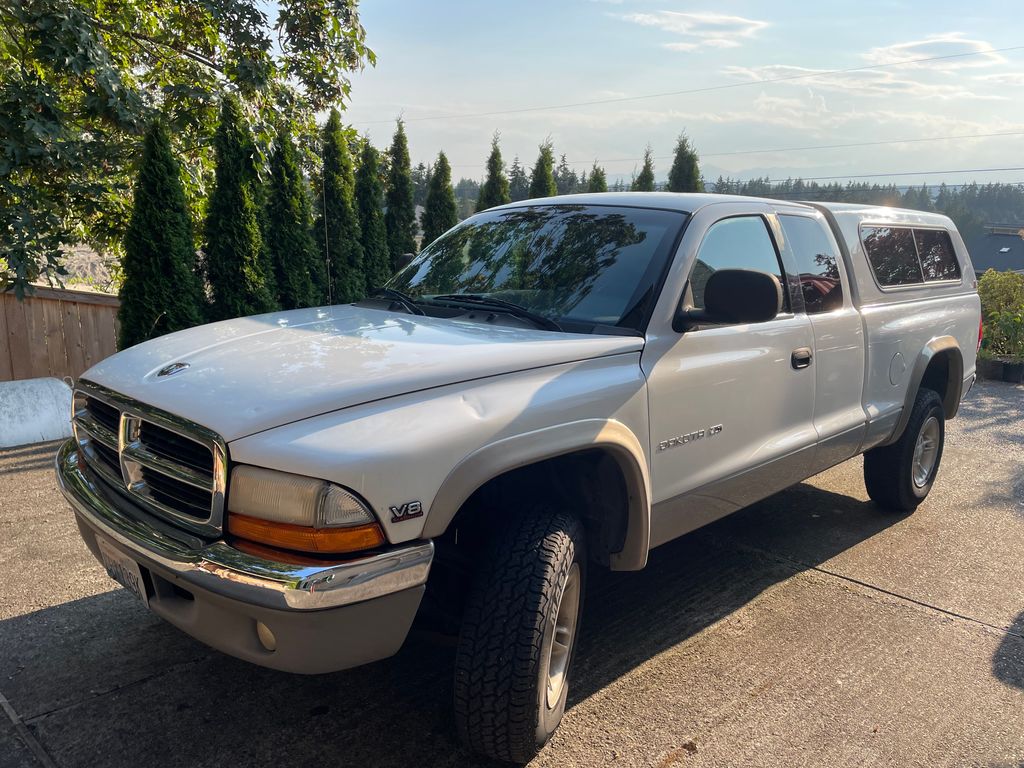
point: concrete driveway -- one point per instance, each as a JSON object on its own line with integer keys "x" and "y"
{"x": 811, "y": 629}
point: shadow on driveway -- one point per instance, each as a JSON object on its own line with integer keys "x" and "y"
{"x": 103, "y": 682}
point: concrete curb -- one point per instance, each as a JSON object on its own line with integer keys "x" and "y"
{"x": 34, "y": 411}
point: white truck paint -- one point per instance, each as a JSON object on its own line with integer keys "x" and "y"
{"x": 657, "y": 432}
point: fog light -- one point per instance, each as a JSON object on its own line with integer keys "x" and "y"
{"x": 267, "y": 639}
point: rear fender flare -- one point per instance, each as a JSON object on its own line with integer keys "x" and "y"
{"x": 938, "y": 345}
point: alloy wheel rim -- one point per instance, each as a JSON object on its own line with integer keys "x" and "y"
{"x": 926, "y": 451}
{"x": 563, "y": 636}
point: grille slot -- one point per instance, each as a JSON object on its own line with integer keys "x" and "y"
{"x": 176, "y": 494}
{"x": 168, "y": 466}
{"x": 171, "y": 445}
{"x": 108, "y": 456}
{"x": 103, "y": 414}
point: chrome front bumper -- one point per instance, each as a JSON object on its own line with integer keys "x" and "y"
{"x": 227, "y": 572}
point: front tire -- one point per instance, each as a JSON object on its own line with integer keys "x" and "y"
{"x": 899, "y": 476}
{"x": 513, "y": 664}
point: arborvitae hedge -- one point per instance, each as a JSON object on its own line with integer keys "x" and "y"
{"x": 369, "y": 206}
{"x": 542, "y": 181}
{"x": 337, "y": 229}
{"x": 598, "y": 182}
{"x": 289, "y": 235}
{"x": 161, "y": 291}
{"x": 495, "y": 190}
{"x": 400, "y": 218}
{"x": 440, "y": 213}
{"x": 685, "y": 173}
{"x": 644, "y": 182}
{"x": 236, "y": 263}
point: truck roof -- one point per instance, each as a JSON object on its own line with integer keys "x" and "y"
{"x": 690, "y": 202}
{"x": 687, "y": 202}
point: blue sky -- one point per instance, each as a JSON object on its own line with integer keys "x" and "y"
{"x": 459, "y": 58}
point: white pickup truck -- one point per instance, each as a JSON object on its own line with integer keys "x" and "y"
{"x": 552, "y": 386}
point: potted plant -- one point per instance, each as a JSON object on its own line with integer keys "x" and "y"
{"x": 1010, "y": 326}
{"x": 990, "y": 367}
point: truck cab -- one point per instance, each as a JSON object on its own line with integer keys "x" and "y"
{"x": 550, "y": 387}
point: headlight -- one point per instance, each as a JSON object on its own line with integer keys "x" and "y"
{"x": 298, "y": 513}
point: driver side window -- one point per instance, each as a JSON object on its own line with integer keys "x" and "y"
{"x": 742, "y": 242}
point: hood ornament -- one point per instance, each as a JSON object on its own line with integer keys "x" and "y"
{"x": 173, "y": 368}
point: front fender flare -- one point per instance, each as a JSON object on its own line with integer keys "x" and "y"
{"x": 499, "y": 457}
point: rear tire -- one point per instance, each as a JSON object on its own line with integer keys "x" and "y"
{"x": 518, "y": 636}
{"x": 899, "y": 476}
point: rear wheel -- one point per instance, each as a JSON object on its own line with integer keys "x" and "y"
{"x": 514, "y": 660}
{"x": 899, "y": 476}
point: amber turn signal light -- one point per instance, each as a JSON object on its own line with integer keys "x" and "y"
{"x": 301, "y": 538}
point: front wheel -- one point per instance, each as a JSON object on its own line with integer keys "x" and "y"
{"x": 899, "y": 476}
{"x": 513, "y": 664}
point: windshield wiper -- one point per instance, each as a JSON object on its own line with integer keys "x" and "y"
{"x": 516, "y": 310}
{"x": 403, "y": 299}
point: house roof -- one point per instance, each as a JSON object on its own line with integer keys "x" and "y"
{"x": 1001, "y": 252}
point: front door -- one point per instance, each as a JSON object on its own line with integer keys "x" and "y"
{"x": 731, "y": 406}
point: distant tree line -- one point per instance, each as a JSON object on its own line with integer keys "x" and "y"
{"x": 970, "y": 206}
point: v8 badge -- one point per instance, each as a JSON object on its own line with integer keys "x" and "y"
{"x": 406, "y": 511}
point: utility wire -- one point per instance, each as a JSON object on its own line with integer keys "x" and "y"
{"x": 706, "y": 89}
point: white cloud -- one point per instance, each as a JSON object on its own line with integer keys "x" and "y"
{"x": 872, "y": 83}
{"x": 700, "y": 30}
{"x": 1003, "y": 78}
{"x": 951, "y": 44}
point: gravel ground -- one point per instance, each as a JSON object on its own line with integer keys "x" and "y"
{"x": 810, "y": 629}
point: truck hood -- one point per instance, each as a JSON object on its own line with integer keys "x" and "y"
{"x": 255, "y": 373}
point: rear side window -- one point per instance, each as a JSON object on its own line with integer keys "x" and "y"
{"x": 742, "y": 242}
{"x": 907, "y": 256}
{"x": 938, "y": 259}
{"x": 817, "y": 263}
{"x": 892, "y": 254}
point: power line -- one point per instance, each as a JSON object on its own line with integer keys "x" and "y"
{"x": 903, "y": 173}
{"x": 706, "y": 89}
{"x": 787, "y": 149}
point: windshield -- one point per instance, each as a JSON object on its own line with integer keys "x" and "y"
{"x": 582, "y": 266}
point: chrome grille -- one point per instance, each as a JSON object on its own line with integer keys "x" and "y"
{"x": 169, "y": 466}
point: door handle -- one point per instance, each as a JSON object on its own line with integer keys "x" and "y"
{"x": 802, "y": 357}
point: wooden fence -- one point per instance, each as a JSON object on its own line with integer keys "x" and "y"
{"x": 55, "y": 333}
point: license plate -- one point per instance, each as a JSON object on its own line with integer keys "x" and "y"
{"x": 122, "y": 569}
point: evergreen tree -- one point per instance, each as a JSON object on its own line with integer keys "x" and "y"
{"x": 644, "y": 182}
{"x": 161, "y": 291}
{"x": 542, "y": 179}
{"x": 420, "y": 180}
{"x": 565, "y": 178}
{"x": 400, "y": 218}
{"x": 684, "y": 175}
{"x": 236, "y": 263}
{"x": 289, "y": 236}
{"x": 598, "y": 182}
{"x": 370, "y": 207}
{"x": 518, "y": 181}
{"x": 337, "y": 226}
{"x": 440, "y": 213}
{"x": 467, "y": 193}
{"x": 495, "y": 190}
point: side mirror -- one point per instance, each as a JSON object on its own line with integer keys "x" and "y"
{"x": 404, "y": 261}
{"x": 735, "y": 296}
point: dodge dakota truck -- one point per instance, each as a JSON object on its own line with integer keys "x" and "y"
{"x": 550, "y": 387}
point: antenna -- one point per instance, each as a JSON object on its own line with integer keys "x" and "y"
{"x": 323, "y": 193}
